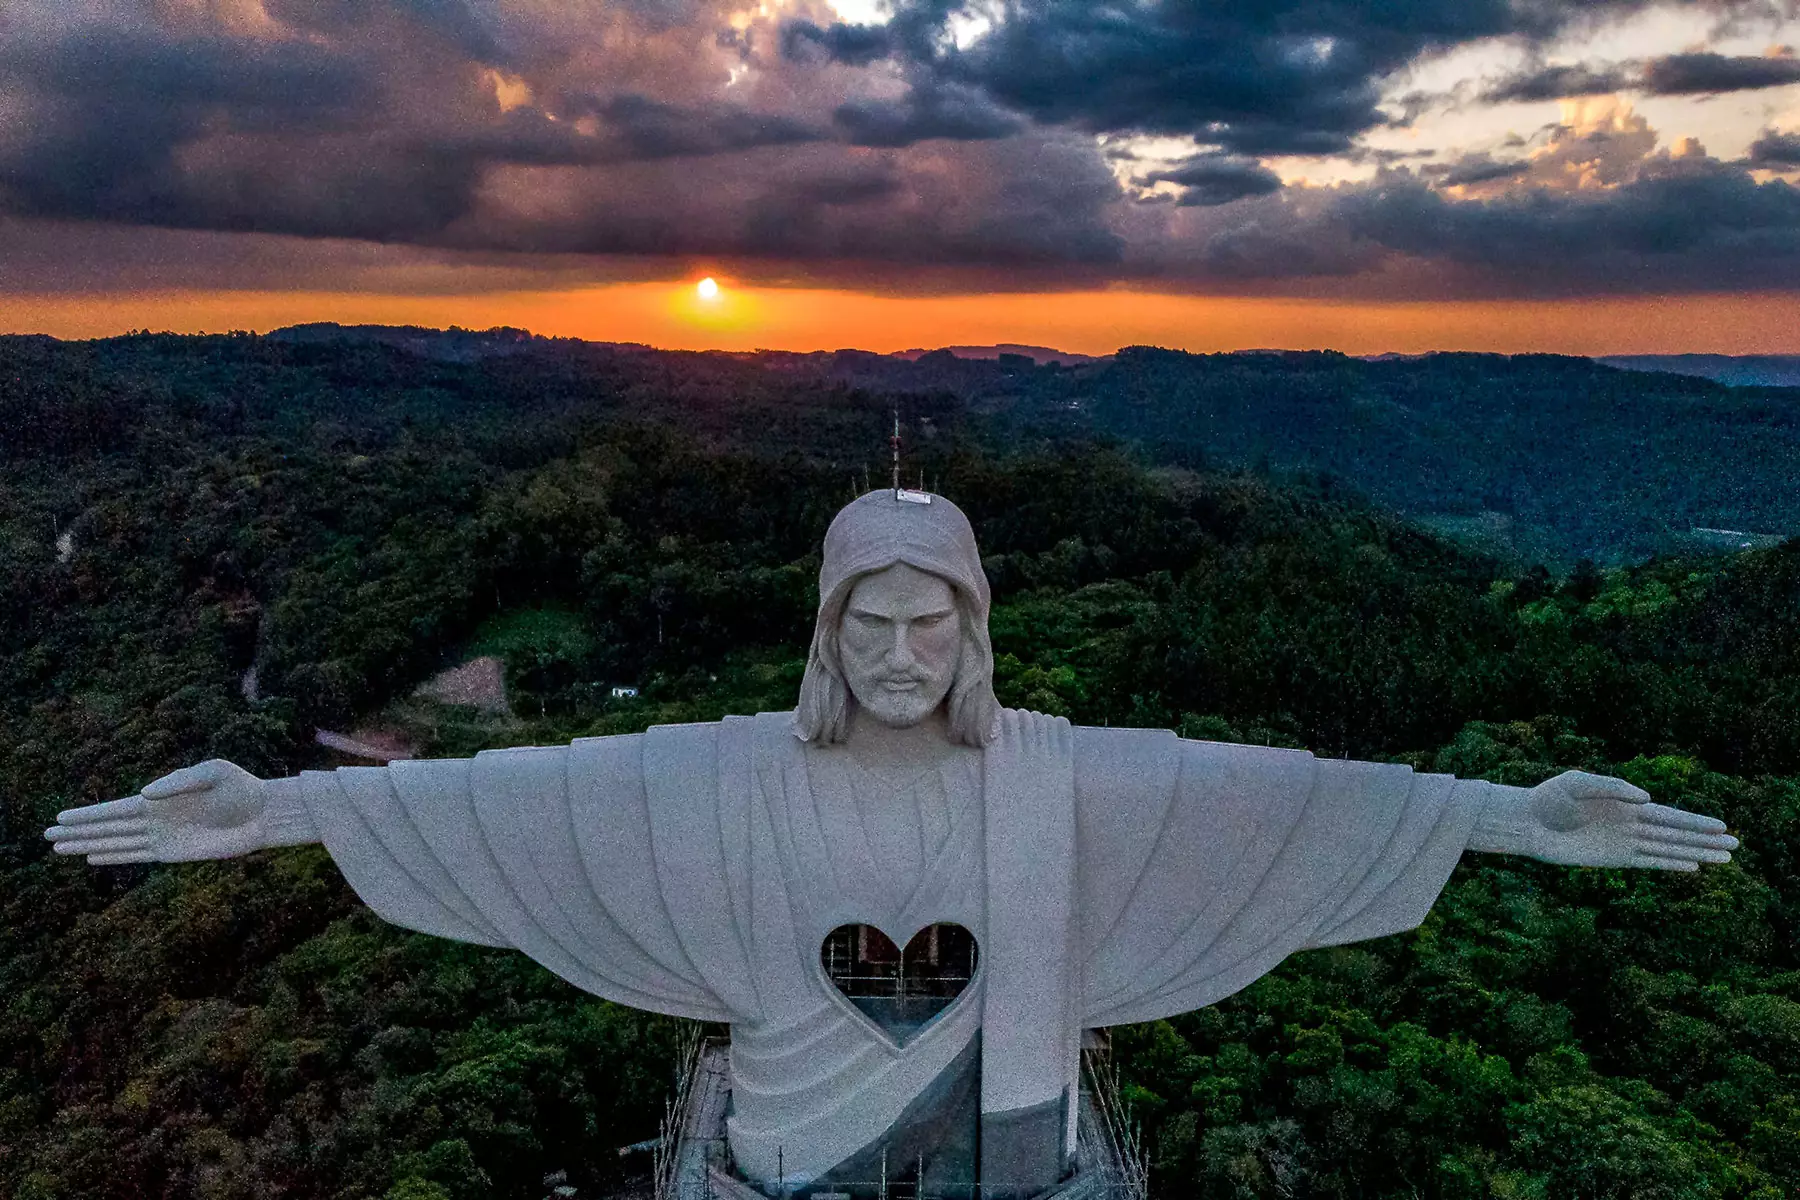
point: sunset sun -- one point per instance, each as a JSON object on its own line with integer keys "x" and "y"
{"x": 708, "y": 288}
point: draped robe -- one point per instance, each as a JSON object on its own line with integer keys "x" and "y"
{"x": 1108, "y": 875}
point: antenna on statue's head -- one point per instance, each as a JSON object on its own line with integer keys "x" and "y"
{"x": 902, "y": 492}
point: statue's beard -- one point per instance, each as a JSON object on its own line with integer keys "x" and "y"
{"x": 900, "y": 706}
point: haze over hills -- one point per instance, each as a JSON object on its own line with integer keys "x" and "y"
{"x": 1738, "y": 370}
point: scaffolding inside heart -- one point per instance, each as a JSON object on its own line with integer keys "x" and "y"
{"x": 902, "y": 991}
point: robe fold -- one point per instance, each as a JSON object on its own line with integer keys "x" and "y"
{"x": 1108, "y": 876}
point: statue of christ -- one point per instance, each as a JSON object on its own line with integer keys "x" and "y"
{"x": 1103, "y": 875}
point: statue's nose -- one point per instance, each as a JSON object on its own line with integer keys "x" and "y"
{"x": 901, "y": 655}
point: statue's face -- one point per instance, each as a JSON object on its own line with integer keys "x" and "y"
{"x": 900, "y": 642}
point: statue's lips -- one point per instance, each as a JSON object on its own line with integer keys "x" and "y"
{"x": 900, "y": 685}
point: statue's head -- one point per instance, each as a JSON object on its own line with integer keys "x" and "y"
{"x": 902, "y": 627}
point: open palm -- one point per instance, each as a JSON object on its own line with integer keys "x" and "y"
{"x": 1596, "y": 821}
{"x": 213, "y": 810}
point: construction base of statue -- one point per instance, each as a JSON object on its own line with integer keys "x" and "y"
{"x": 694, "y": 1157}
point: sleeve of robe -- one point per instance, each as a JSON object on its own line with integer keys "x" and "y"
{"x": 551, "y": 851}
{"x": 1201, "y": 865}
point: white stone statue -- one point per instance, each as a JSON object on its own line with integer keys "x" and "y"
{"x": 1106, "y": 875}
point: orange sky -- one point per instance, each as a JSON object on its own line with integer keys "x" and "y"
{"x": 671, "y": 315}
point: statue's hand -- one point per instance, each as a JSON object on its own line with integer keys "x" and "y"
{"x": 1585, "y": 820}
{"x": 213, "y": 810}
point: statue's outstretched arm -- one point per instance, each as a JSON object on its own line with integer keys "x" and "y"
{"x": 1584, "y": 820}
{"x": 213, "y": 810}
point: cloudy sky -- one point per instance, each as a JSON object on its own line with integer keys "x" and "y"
{"x": 1602, "y": 175}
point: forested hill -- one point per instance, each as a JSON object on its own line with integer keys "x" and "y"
{"x": 1533, "y": 457}
{"x": 1537, "y": 456}
{"x": 214, "y": 546}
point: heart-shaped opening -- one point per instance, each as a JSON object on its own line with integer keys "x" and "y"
{"x": 902, "y": 991}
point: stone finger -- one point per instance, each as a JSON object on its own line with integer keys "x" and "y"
{"x": 1687, "y": 837}
{"x": 109, "y": 845}
{"x": 1586, "y": 786}
{"x": 110, "y": 810}
{"x": 180, "y": 783}
{"x": 1688, "y": 853}
{"x": 1680, "y": 818}
{"x": 119, "y": 827}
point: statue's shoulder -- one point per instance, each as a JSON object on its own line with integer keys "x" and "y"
{"x": 1103, "y": 740}
{"x": 1096, "y": 739}
{"x": 1124, "y": 750}
{"x": 766, "y": 732}
{"x": 1109, "y": 755}
{"x": 762, "y": 720}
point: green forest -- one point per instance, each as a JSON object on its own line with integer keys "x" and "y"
{"x": 337, "y": 519}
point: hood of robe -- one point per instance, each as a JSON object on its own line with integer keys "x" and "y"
{"x": 876, "y": 530}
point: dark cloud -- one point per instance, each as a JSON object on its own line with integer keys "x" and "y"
{"x": 853, "y": 45}
{"x": 1556, "y": 83}
{"x": 626, "y": 128}
{"x": 1386, "y": 156}
{"x": 382, "y": 135}
{"x": 1479, "y": 170}
{"x": 1209, "y": 180}
{"x": 1776, "y": 149}
{"x": 1710, "y": 226}
{"x": 1283, "y": 77}
{"x": 106, "y": 115}
{"x": 849, "y": 189}
{"x": 287, "y": 84}
{"x": 1600, "y": 208}
{"x": 1699, "y": 74}
{"x": 820, "y": 209}
{"x": 1692, "y": 74}
{"x": 1287, "y": 240}
{"x": 649, "y": 129}
{"x": 933, "y": 110}
{"x": 61, "y": 257}
{"x": 1249, "y": 89}
{"x": 452, "y": 20}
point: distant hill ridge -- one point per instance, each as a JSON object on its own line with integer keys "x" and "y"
{"x": 1733, "y": 370}
{"x": 456, "y": 344}
{"x": 1039, "y": 355}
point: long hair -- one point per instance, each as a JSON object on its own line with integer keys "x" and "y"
{"x": 826, "y": 702}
